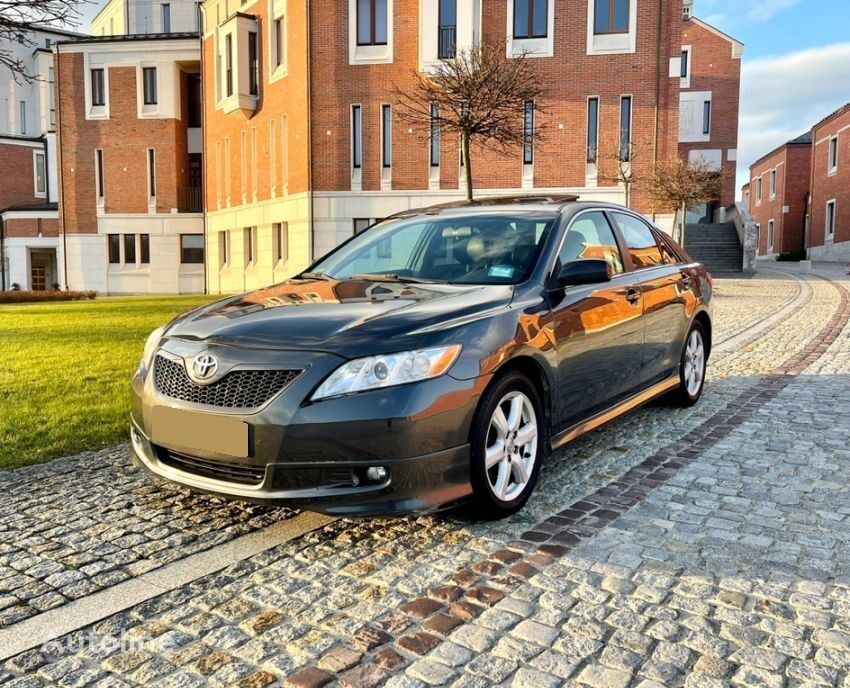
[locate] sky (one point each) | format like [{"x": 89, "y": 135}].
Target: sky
[{"x": 796, "y": 67}]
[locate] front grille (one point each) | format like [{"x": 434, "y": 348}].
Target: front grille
[
  {"x": 218, "y": 470},
  {"x": 241, "y": 389}
]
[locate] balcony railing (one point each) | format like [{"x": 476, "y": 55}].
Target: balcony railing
[
  {"x": 190, "y": 200},
  {"x": 447, "y": 47}
]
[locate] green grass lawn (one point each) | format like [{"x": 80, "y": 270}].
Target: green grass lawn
[{"x": 65, "y": 372}]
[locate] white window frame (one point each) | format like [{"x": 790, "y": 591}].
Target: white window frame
[
  {"x": 771, "y": 232},
  {"x": 283, "y": 134},
  {"x": 280, "y": 243},
  {"x": 224, "y": 255},
  {"x": 22, "y": 112},
  {"x": 533, "y": 47},
  {"x": 685, "y": 81},
  {"x": 165, "y": 13},
  {"x": 369, "y": 54},
  {"x": 774, "y": 182},
  {"x": 95, "y": 111},
  {"x": 250, "y": 246},
  {"x": 613, "y": 43},
  {"x": 832, "y": 145},
  {"x": 277, "y": 13},
  {"x": 759, "y": 189},
  {"x": 829, "y": 227},
  {"x": 36, "y": 154},
  {"x": 152, "y": 181},
  {"x": 99, "y": 177}
]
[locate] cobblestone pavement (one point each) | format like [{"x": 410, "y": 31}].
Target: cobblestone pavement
[{"x": 699, "y": 547}]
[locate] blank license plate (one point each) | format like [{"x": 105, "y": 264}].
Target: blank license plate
[{"x": 200, "y": 431}]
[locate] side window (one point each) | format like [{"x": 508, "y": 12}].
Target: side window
[
  {"x": 640, "y": 241},
  {"x": 590, "y": 236}
]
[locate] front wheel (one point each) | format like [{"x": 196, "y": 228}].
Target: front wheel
[
  {"x": 507, "y": 446},
  {"x": 691, "y": 369}
]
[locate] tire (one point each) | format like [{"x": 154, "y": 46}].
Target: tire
[
  {"x": 692, "y": 368},
  {"x": 510, "y": 408}
]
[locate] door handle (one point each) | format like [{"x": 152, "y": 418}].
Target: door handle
[{"x": 632, "y": 295}]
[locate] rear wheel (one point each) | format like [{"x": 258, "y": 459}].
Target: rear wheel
[
  {"x": 691, "y": 368},
  {"x": 508, "y": 439}
]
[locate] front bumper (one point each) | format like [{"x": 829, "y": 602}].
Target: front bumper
[{"x": 317, "y": 455}]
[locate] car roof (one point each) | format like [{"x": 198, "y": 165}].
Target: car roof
[{"x": 552, "y": 203}]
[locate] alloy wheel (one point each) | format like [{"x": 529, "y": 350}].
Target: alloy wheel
[
  {"x": 511, "y": 448},
  {"x": 694, "y": 363}
]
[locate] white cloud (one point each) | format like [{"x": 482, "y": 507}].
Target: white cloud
[
  {"x": 783, "y": 96},
  {"x": 765, "y": 9}
]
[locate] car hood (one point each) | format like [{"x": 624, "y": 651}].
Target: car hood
[{"x": 351, "y": 318}]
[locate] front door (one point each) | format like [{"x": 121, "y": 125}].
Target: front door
[
  {"x": 39, "y": 278},
  {"x": 598, "y": 329}
]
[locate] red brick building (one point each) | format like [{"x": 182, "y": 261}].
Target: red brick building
[
  {"x": 829, "y": 227},
  {"x": 304, "y": 146},
  {"x": 708, "y": 106},
  {"x": 779, "y": 187},
  {"x": 130, "y": 165}
]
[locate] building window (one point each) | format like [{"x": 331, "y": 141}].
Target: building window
[
  {"x": 192, "y": 249},
  {"x": 356, "y": 137},
  {"x": 686, "y": 55},
  {"x": 830, "y": 220},
  {"x": 530, "y": 18},
  {"x": 361, "y": 223},
  {"x": 758, "y": 190},
  {"x": 98, "y": 89},
  {"x": 166, "y": 18},
  {"x": 280, "y": 236},
  {"x": 40, "y": 175},
  {"x": 435, "y": 135},
  {"x": 144, "y": 248},
  {"x": 152, "y": 172},
  {"x": 611, "y": 16},
  {"x": 626, "y": 128},
  {"x": 99, "y": 174},
  {"x": 770, "y": 228},
  {"x": 279, "y": 42},
  {"x": 372, "y": 22},
  {"x": 228, "y": 65},
  {"x": 23, "y": 118},
  {"x": 51, "y": 96},
  {"x": 114, "y": 248},
  {"x": 528, "y": 133},
  {"x": 386, "y": 136},
  {"x": 149, "y": 79},
  {"x": 447, "y": 29},
  {"x": 833, "y": 155},
  {"x": 223, "y": 248},
  {"x": 129, "y": 248},
  {"x": 253, "y": 65},
  {"x": 195, "y": 102},
  {"x": 250, "y": 245},
  {"x": 706, "y": 117},
  {"x": 592, "y": 129},
  {"x": 773, "y": 183}
]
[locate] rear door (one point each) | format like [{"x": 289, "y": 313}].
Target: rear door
[
  {"x": 597, "y": 329},
  {"x": 664, "y": 287}
]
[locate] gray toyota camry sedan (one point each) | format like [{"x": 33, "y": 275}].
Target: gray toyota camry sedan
[{"x": 433, "y": 359}]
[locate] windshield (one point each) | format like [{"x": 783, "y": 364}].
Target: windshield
[{"x": 494, "y": 248}]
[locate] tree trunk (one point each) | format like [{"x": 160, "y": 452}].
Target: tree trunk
[
  {"x": 684, "y": 211},
  {"x": 467, "y": 164}
]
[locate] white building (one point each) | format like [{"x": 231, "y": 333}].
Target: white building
[{"x": 128, "y": 17}]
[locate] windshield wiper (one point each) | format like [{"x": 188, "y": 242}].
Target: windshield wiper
[
  {"x": 384, "y": 277},
  {"x": 315, "y": 276}
]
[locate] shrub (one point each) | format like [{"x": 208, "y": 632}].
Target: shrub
[
  {"x": 16, "y": 286},
  {"x": 18, "y": 296},
  {"x": 793, "y": 256}
]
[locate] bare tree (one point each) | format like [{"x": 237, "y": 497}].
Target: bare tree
[
  {"x": 480, "y": 96},
  {"x": 18, "y": 20},
  {"x": 678, "y": 185},
  {"x": 616, "y": 160}
]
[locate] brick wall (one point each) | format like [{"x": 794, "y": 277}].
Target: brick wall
[
  {"x": 124, "y": 139},
  {"x": 17, "y": 188},
  {"x": 826, "y": 187},
  {"x": 569, "y": 77},
  {"x": 31, "y": 227},
  {"x": 714, "y": 69}
]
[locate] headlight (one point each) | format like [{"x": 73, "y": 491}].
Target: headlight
[
  {"x": 150, "y": 345},
  {"x": 387, "y": 371}
]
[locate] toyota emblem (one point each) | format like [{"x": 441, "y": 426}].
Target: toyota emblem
[{"x": 204, "y": 366}]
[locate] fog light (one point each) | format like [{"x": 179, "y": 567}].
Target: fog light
[{"x": 377, "y": 474}]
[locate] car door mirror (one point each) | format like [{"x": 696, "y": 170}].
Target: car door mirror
[{"x": 590, "y": 271}]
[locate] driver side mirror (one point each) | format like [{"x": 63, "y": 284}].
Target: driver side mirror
[{"x": 590, "y": 271}]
